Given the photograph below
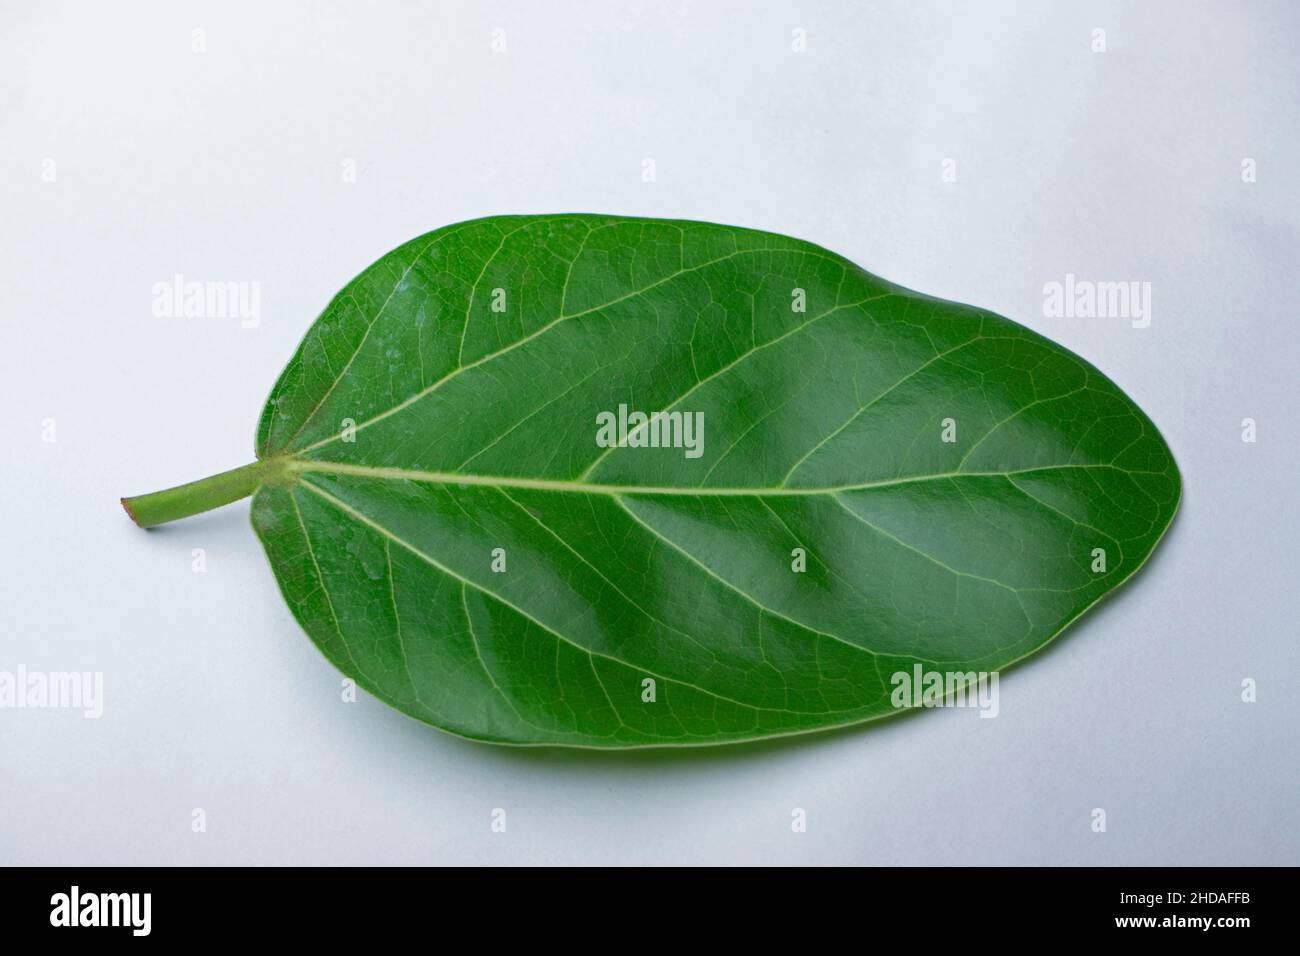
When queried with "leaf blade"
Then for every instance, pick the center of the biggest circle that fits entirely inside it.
(627, 564)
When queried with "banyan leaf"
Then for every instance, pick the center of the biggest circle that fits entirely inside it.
(848, 481)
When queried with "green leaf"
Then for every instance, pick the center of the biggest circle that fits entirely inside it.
(445, 526)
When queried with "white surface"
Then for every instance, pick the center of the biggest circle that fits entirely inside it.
(1122, 165)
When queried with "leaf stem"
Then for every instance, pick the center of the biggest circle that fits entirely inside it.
(202, 495)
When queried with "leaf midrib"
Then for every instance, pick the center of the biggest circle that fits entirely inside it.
(298, 465)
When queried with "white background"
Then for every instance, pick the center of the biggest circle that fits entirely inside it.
(226, 165)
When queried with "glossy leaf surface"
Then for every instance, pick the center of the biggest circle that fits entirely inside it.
(455, 539)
